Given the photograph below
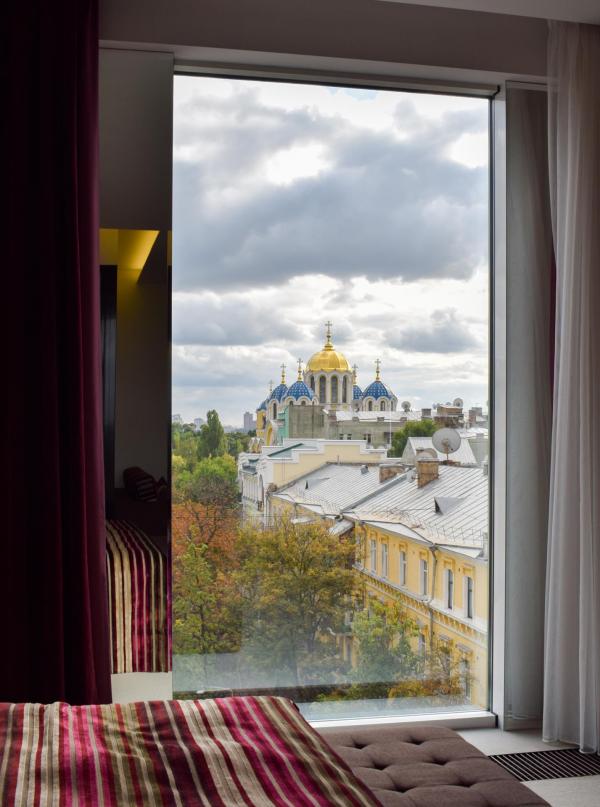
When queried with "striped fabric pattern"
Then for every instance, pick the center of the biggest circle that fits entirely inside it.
(217, 753)
(138, 591)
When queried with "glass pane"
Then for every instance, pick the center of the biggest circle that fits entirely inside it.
(330, 385)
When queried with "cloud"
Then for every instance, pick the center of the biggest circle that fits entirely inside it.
(445, 332)
(210, 319)
(379, 204)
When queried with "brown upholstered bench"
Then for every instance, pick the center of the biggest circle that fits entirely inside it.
(426, 766)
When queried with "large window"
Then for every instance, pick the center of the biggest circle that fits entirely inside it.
(330, 387)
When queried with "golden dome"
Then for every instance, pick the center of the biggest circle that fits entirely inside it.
(328, 359)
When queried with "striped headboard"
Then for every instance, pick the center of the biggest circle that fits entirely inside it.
(139, 600)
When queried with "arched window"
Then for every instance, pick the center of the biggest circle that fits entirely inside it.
(312, 383)
(345, 390)
(382, 406)
(370, 406)
(334, 389)
(274, 410)
(322, 394)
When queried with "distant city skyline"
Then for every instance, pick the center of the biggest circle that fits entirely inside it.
(297, 204)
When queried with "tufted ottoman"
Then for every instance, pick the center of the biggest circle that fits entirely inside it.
(426, 766)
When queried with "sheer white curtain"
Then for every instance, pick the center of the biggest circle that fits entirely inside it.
(572, 632)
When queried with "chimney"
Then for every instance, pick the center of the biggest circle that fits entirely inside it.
(428, 467)
(389, 470)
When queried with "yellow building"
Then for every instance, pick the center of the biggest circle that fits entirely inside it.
(423, 539)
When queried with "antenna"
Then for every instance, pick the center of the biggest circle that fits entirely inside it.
(458, 402)
(446, 441)
(406, 406)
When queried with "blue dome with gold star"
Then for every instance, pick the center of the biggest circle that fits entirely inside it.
(280, 391)
(377, 389)
(357, 393)
(300, 390)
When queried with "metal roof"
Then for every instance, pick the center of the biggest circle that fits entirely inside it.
(333, 487)
(403, 502)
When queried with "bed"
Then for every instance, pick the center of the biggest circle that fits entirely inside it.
(218, 753)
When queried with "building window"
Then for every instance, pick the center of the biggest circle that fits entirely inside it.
(465, 669)
(322, 393)
(382, 406)
(403, 567)
(274, 410)
(469, 597)
(312, 383)
(345, 390)
(373, 555)
(384, 560)
(334, 389)
(422, 644)
(424, 569)
(449, 588)
(370, 406)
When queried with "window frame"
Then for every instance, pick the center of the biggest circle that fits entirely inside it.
(403, 566)
(438, 80)
(424, 576)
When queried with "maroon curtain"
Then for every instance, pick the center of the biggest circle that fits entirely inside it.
(53, 593)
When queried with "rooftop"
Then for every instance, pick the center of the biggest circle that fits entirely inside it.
(452, 509)
(332, 487)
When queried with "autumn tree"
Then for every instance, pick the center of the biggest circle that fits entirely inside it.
(296, 583)
(383, 633)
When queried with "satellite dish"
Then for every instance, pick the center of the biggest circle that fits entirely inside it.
(406, 406)
(458, 402)
(446, 441)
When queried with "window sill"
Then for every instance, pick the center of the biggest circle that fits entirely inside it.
(454, 720)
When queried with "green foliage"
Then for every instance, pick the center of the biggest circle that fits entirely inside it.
(212, 436)
(236, 443)
(212, 481)
(296, 582)
(414, 428)
(205, 615)
(383, 634)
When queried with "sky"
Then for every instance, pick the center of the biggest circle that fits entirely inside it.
(296, 204)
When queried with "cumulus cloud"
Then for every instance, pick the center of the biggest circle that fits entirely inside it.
(295, 205)
(445, 332)
(210, 319)
(384, 204)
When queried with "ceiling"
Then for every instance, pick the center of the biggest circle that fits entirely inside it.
(570, 10)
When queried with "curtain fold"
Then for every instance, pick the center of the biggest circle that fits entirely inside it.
(53, 596)
(572, 629)
(529, 332)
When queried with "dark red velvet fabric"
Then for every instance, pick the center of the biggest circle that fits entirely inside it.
(53, 592)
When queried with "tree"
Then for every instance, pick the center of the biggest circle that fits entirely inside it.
(296, 582)
(414, 428)
(383, 634)
(236, 442)
(212, 436)
(205, 607)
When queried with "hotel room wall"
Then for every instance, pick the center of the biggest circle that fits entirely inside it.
(135, 193)
(343, 29)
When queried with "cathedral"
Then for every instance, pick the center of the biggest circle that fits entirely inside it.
(327, 380)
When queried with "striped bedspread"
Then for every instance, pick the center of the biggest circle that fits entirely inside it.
(218, 753)
(138, 590)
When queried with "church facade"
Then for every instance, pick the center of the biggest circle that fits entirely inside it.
(328, 382)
